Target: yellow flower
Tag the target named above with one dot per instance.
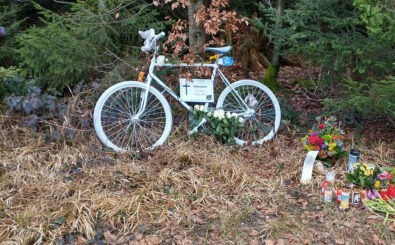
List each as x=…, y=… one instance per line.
x=367, y=173
x=377, y=184
x=363, y=168
x=371, y=172
x=331, y=145
x=355, y=165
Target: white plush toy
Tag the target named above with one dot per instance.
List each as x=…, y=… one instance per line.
x=148, y=36
x=251, y=101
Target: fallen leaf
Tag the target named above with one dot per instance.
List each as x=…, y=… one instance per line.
x=254, y=242
x=196, y=219
x=268, y=242
x=110, y=238
x=139, y=236
x=339, y=241
x=281, y=242
x=152, y=240
x=254, y=233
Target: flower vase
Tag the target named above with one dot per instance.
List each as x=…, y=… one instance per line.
x=330, y=175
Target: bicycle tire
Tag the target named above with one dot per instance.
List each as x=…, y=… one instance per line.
x=113, y=115
x=269, y=113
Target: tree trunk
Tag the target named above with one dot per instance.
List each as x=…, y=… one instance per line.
x=196, y=33
x=270, y=78
x=276, y=51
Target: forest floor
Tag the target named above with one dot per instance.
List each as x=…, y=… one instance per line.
x=190, y=191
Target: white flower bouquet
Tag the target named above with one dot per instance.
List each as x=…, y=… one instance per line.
x=225, y=126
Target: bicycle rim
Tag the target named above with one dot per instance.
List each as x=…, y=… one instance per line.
x=117, y=126
x=264, y=123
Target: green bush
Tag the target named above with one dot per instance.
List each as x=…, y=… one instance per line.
x=347, y=39
x=369, y=98
x=10, y=82
x=8, y=18
x=85, y=41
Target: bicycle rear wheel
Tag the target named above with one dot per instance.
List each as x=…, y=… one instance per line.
x=116, y=123
x=261, y=125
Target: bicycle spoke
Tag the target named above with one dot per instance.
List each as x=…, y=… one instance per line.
x=262, y=122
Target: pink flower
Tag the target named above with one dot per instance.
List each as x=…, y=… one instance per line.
x=383, y=176
x=375, y=193
x=370, y=194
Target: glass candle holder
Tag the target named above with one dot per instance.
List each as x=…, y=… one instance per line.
x=330, y=175
x=371, y=166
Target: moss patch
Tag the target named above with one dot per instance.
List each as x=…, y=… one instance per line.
x=270, y=79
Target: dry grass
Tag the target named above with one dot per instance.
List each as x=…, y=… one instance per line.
x=190, y=191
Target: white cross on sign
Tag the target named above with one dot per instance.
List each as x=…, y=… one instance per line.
x=199, y=90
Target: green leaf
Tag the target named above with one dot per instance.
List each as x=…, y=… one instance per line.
x=362, y=181
x=60, y=220
x=350, y=178
x=59, y=241
x=298, y=35
x=219, y=129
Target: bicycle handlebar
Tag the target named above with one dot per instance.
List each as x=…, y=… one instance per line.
x=159, y=36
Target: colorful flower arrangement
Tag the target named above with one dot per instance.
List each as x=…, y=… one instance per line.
x=327, y=138
x=363, y=175
x=379, y=200
x=384, y=179
x=377, y=181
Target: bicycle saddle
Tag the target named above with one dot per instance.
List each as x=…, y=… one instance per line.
x=222, y=50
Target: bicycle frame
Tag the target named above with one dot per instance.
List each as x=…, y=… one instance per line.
x=152, y=77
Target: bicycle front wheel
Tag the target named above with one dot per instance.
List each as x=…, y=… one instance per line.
x=262, y=124
x=116, y=123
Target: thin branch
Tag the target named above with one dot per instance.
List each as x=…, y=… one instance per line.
x=57, y=1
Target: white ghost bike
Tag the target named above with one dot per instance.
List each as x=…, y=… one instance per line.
x=135, y=116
